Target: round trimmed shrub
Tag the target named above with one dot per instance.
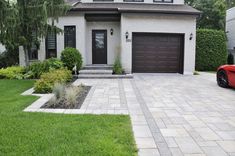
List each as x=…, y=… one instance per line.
x=211, y=49
x=71, y=57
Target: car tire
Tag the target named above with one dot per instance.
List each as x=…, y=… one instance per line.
x=222, y=79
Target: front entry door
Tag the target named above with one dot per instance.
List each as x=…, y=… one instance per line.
x=99, y=46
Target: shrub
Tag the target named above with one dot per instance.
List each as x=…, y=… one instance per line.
x=10, y=57
x=230, y=59
x=71, y=96
x=71, y=57
x=117, y=67
x=35, y=70
x=48, y=80
x=14, y=72
x=211, y=50
x=54, y=63
x=58, y=90
x=65, y=96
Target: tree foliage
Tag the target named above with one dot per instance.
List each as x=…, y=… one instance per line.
x=26, y=21
x=213, y=13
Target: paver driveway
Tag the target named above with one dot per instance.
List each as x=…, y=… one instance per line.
x=171, y=114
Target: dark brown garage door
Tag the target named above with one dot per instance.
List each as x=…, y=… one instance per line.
x=157, y=53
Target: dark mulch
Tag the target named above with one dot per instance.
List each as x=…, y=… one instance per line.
x=80, y=99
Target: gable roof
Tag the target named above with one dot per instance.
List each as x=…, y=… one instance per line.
x=137, y=8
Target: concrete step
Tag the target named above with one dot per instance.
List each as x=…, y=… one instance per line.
x=104, y=76
x=98, y=67
x=97, y=71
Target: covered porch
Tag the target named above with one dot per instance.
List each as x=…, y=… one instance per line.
x=102, y=39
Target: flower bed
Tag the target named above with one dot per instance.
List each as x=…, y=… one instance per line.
x=68, y=97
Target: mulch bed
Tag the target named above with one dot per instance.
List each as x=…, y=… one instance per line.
x=80, y=99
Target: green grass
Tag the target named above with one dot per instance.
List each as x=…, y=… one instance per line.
x=42, y=134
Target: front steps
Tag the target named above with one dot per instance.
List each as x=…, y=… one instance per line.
x=100, y=72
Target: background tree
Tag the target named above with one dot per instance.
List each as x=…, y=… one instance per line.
x=213, y=13
x=31, y=19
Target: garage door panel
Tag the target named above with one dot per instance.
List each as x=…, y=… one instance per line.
x=157, y=53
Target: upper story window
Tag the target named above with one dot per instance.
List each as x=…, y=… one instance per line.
x=163, y=1
x=133, y=0
x=70, y=36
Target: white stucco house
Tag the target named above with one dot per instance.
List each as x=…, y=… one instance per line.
x=150, y=36
x=230, y=28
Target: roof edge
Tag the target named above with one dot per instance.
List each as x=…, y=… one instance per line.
x=159, y=11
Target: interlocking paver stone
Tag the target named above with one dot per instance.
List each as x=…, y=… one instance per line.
x=171, y=114
x=214, y=151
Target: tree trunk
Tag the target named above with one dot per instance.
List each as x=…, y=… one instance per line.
x=26, y=55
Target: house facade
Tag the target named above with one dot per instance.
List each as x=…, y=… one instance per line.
x=230, y=28
x=149, y=36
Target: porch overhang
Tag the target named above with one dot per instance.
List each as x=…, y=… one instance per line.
x=90, y=17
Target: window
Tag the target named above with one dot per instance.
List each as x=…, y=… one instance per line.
x=133, y=0
x=163, y=1
x=33, y=52
x=51, y=47
x=70, y=36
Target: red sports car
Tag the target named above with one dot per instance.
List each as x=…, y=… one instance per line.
x=226, y=76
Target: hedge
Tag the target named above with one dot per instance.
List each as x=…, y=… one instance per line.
x=211, y=49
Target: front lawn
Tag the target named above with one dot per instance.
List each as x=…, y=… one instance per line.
x=52, y=134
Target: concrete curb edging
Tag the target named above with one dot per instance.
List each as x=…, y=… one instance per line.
x=44, y=98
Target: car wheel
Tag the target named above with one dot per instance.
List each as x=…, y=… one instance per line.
x=222, y=79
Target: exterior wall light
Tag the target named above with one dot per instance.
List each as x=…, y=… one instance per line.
x=111, y=31
x=191, y=36
x=127, y=35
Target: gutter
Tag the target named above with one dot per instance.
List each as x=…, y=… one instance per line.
x=159, y=12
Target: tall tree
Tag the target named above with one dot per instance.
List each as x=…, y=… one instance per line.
x=8, y=21
x=213, y=13
x=32, y=24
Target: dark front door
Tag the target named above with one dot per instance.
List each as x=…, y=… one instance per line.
x=99, y=46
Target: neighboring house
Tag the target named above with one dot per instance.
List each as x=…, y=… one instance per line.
x=230, y=29
x=2, y=48
x=150, y=36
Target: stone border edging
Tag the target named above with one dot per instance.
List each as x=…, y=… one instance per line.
x=44, y=98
